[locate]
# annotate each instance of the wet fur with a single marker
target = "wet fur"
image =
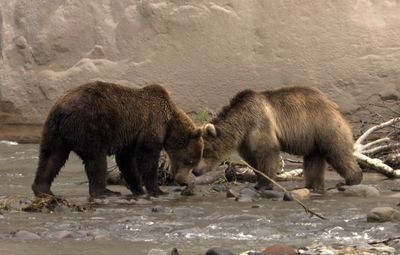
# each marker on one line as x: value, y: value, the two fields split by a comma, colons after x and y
x: 99, y: 119
x: 296, y: 120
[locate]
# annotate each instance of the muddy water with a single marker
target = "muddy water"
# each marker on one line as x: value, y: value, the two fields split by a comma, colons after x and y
x: 192, y: 224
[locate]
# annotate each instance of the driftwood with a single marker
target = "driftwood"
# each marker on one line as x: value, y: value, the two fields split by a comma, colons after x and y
x: 364, y: 152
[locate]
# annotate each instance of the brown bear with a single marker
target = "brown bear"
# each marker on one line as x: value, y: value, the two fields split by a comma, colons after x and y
x: 99, y: 119
x: 297, y: 120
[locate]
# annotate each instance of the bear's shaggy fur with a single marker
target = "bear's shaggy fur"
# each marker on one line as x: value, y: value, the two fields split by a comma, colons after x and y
x: 99, y: 119
x: 297, y: 120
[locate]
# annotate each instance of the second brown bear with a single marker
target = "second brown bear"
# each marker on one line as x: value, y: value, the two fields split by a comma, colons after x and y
x: 297, y: 120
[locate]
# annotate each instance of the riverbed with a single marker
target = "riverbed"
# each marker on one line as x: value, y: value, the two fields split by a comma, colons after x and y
x: 191, y: 224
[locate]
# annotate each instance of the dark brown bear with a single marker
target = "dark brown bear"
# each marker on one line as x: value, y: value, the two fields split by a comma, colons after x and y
x: 100, y: 119
x: 297, y: 120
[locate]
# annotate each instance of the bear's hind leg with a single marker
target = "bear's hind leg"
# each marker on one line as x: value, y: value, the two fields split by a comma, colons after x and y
x: 48, y: 168
x: 127, y: 165
x: 96, y: 172
x: 147, y: 162
x: 314, y: 172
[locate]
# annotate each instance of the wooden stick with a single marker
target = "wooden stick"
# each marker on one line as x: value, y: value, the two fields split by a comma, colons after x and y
x: 308, y: 210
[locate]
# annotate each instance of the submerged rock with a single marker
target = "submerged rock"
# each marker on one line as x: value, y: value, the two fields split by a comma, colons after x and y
x: 26, y: 235
x: 279, y: 249
x: 360, y: 190
x: 218, y: 251
x: 382, y: 214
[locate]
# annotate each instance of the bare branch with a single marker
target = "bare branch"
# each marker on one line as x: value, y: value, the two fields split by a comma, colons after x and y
x: 381, y: 148
x: 358, y: 144
x: 381, y: 140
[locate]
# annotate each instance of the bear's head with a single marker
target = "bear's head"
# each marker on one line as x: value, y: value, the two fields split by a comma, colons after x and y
x: 185, y: 151
x: 211, y: 153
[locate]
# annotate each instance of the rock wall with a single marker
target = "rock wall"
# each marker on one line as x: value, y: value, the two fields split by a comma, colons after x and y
x: 203, y: 51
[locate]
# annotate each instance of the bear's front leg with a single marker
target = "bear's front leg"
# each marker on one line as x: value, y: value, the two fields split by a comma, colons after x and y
x: 96, y: 172
x: 147, y: 162
x: 127, y: 165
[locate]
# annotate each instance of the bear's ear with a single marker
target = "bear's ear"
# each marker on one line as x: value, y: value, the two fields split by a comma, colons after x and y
x: 209, y: 129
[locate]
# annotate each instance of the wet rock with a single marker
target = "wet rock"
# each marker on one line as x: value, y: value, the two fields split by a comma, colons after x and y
x: 382, y: 214
x: 247, y: 194
x: 218, y: 251
x: 62, y: 234
x: 279, y: 249
x: 271, y: 194
x: 231, y: 193
x: 360, y: 190
x: 300, y: 194
x: 159, y: 209
x: 156, y: 252
x: 25, y: 235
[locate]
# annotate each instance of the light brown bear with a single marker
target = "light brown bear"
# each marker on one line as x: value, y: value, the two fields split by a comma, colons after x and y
x: 296, y: 120
x: 99, y: 119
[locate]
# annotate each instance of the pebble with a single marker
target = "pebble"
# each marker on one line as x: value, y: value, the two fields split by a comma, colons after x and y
x: 279, y: 249
x: 156, y: 252
x: 26, y: 235
x: 300, y: 194
x: 218, y: 251
x: 360, y: 190
x: 382, y: 214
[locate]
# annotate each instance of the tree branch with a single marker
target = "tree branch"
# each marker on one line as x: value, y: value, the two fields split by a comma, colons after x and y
x: 308, y: 210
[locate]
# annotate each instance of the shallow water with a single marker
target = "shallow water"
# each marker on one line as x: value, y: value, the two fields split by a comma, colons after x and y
x: 192, y: 224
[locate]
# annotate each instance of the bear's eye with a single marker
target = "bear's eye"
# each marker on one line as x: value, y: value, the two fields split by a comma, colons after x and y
x: 189, y: 162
